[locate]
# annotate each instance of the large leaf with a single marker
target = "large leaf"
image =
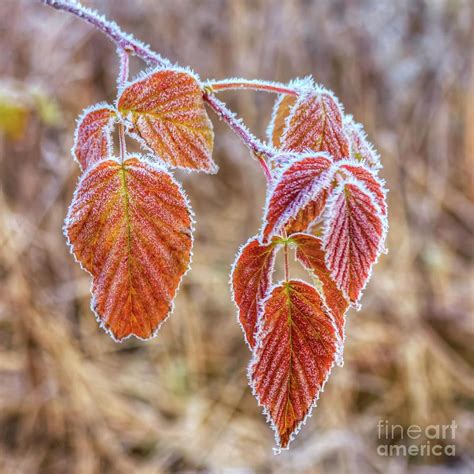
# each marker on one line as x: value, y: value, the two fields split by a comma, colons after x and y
x: 316, y: 123
x: 93, y: 136
x: 130, y: 227
x: 297, y: 345
x: 251, y: 278
x: 361, y: 149
x: 166, y: 112
x: 354, y: 237
x: 310, y: 253
x: 304, y: 180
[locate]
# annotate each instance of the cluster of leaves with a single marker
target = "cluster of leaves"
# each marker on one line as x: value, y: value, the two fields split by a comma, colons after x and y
x: 130, y: 223
x: 327, y: 203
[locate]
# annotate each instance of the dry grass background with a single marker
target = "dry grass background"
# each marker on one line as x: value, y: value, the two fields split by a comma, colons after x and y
x: 73, y: 401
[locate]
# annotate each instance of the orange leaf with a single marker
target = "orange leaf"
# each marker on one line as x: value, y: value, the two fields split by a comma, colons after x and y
x: 307, y: 216
x: 296, y: 349
x: 251, y: 278
x: 315, y: 124
x: 281, y: 110
x: 303, y: 181
x: 93, y: 136
x: 166, y: 112
x: 311, y: 255
x: 130, y: 227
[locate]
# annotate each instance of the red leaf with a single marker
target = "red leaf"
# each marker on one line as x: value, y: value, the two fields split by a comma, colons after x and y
x: 167, y: 113
x: 129, y: 226
x: 353, y: 238
x: 315, y: 123
x: 371, y: 182
x: 361, y: 149
x: 302, y: 181
x: 93, y: 136
x: 251, y: 278
x: 311, y: 255
x: 281, y: 110
x: 297, y: 345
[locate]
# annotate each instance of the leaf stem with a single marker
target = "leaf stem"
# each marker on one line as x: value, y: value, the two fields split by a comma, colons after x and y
x: 128, y: 43
x: 122, y: 142
x: 287, y: 266
x: 122, y: 77
x: 247, y: 84
x: 121, y: 80
x: 265, y: 168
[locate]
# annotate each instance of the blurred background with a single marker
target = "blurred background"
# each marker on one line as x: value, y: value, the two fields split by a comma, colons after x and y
x: 73, y: 401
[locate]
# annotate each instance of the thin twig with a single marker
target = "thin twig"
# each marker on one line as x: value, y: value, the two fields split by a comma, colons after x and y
x: 128, y: 43
x: 112, y: 30
x: 257, y: 85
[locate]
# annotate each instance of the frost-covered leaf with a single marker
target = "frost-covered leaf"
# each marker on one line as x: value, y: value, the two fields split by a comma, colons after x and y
x: 167, y: 115
x: 311, y: 255
x: 361, y: 149
x: 354, y: 236
x: 307, y: 216
x: 296, y: 348
x: 250, y: 279
x: 130, y: 227
x: 304, y: 180
x: 370, y: 181
x: 315, y: 123
x: 281, y: 110
x: 93, y: 136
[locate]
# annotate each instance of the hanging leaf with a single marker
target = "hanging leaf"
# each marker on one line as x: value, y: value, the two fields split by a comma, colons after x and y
x: 361, y: 149
x: 354, y: 237
x: 297, y: 345
x: 93, y: 136
x: 370, y: 181
x: 167, y: 115
x: 130, y: 227
x: 281, y: 110
x: 302, y: 181
x: 251, y: 278
x: 315, y: 123
x: 311, y: 255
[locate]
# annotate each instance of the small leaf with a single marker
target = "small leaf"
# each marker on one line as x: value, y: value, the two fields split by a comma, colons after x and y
x: 370, y: 181
x: 311, y: 255
x: 281, y: 110
x: 307, y: 216
x: 354, y: 237
x: 296, y: 349
x: 167, y: 114
x: 251, y: 278
x: 129, y: 226
x: 93, y: 136
x: 315, y: 123
x: 302, y: 181
x: 361, y: 149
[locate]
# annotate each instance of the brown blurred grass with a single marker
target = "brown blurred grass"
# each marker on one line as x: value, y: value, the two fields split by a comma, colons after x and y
x: 73, y: 401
